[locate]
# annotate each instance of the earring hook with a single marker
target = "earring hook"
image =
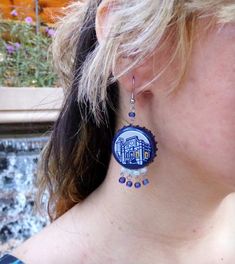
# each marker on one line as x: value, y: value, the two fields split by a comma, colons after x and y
x: 132, y: 102
x: 133, y: 89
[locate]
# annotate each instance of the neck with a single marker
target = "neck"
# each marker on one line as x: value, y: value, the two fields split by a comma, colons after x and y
x: 177, y: 208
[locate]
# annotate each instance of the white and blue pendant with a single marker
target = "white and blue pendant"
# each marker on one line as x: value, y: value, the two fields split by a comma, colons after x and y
x: 134, y: 148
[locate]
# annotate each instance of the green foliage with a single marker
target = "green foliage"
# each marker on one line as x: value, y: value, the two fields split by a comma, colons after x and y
x: 25, y: 59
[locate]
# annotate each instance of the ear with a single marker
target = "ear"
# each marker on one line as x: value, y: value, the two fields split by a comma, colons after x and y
x: 103, y: 21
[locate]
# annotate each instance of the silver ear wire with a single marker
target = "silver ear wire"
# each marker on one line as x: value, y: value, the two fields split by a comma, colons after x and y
x: 132, y: 102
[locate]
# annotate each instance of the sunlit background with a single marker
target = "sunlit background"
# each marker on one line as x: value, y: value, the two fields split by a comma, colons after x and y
x: 30, y: 99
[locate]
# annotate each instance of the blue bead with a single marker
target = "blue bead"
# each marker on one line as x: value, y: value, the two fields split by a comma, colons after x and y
x: 122, y: 179
x: 129, y: 183
x: 131, y: 114
x: 137, y: 185
x: 145, y: 181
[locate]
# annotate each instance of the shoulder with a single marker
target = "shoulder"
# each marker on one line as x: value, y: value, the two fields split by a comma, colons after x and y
x: 54, y: 244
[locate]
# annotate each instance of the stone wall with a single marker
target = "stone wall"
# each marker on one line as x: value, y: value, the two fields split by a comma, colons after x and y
x: 18, y: 169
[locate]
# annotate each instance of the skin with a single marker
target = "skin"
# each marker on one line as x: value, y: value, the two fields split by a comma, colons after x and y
x: 186, y: 214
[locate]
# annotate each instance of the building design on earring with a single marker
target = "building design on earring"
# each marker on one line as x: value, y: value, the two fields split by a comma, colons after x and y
x: 134, y: 148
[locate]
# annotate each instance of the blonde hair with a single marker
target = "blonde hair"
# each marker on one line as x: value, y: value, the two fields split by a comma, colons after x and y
x: 76, y: 159
x: 138, y: 27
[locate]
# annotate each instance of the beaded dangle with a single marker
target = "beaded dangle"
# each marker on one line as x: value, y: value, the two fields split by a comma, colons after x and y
x: 134, y: 148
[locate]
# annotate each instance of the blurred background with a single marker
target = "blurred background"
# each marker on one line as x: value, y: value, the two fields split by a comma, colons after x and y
x: 30, y: 99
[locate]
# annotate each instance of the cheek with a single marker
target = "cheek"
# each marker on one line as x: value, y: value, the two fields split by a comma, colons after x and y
x: 198, y: 124
x: 203, y: 127
x: 206, y: 107
x: 213, y: 135
x: 214, y: 99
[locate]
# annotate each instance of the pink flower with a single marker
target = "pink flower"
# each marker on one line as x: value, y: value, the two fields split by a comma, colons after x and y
x: 14, y: 13
x: 51, y: 32
x: 17, y: 45
x: 10, y: 48
x: 28, y: 20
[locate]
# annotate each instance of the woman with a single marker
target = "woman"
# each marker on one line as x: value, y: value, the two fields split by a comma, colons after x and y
x: 172, y: 63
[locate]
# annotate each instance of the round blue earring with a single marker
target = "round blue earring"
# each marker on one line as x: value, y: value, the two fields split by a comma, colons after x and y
x: 134, y: 148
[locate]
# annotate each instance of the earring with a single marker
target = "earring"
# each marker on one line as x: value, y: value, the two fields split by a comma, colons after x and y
x: 134, y: 148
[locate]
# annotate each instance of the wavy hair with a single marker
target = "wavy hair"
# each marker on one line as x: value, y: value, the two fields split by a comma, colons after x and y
x: 75, y: 160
